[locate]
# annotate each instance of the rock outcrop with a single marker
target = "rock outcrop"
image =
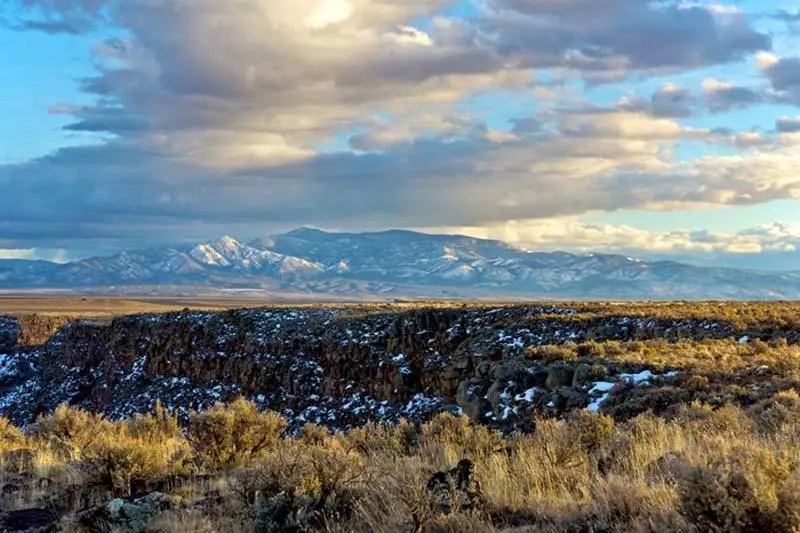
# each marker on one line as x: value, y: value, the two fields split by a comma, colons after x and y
x: 337, y: 367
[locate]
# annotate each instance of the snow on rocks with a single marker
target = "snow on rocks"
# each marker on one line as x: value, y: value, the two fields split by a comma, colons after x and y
x: 601, y: 390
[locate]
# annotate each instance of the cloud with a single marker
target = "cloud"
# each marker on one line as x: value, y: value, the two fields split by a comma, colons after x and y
x: 788, y: 125
x: 571, y: 234
x: 784, y: 76
x: 792, y: 19
x: 604, y: 38
x: 751, y: 139
x: 668, y: 101
x: 721, y: 96
x: 51, y: 26
x: 33, y: 254
x: 221, y: 115
x: 209, y: 72
x: 584, y: 162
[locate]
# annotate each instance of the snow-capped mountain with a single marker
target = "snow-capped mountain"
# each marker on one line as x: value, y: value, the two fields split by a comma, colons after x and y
x: 227, y: 252
x: 395, y: 264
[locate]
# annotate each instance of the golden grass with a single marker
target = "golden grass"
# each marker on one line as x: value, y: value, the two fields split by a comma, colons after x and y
x: 726, y: 469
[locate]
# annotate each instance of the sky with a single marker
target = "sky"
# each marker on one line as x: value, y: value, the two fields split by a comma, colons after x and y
x: 661, y: 129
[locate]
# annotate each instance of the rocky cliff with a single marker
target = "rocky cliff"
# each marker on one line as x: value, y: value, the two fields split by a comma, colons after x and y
x: 344, y: 367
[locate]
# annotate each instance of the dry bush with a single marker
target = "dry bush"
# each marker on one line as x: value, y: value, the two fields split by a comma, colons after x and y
x: 396, y: 499
x: 751, y: 490
x: 138, y: 454
x: 773, y: 414
x: 227, y: 436
x: 129, y: 464
x: 10, y: 436
x: 69, y: 431
x: 448, y: 439
x: 374, y: 438
x: 591, y: 431
x: 621, y: 504
x: 312, y: 434
x: 706, y: 419
x: 158, y: 426
x: 703, y: 355
x: 570, y: 444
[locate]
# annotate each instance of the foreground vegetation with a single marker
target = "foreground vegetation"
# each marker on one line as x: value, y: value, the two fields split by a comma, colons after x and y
x: 234, y: 469
x: 709, y: 442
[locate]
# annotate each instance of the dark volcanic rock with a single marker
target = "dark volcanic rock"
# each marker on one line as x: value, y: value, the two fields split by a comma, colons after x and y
x: 27, y: 520
x: 9, y: 332
x: 337, y: 367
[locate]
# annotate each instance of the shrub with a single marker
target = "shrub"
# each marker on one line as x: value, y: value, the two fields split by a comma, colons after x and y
x: 706, y: 419
x: 373, y: 438
x: 10, y: 436
x: 313, y: 435
x: 772, y: 414
x: 70, y: 430
x: 750, y: 490
x: 158, y: 426
x: 230, y: 435
x: 456, y: 437
x: 559, y: 445
x: 590, y: 430
x: 127, y: 464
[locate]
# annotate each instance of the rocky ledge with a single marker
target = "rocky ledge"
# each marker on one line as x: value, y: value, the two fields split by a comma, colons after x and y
x: 344, y: 367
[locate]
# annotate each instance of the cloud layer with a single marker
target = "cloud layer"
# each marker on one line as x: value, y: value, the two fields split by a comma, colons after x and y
x: 216, y: 116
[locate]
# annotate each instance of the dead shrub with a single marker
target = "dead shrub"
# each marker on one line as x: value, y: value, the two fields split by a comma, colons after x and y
x: 10, y: 436
x: 705, y: 418
x: 590, y: 430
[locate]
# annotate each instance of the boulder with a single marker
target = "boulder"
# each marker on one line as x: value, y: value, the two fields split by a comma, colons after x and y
x: 28, y: 520
x: 569, y: 398
x: 559, y: 375
x: 125, y: 515
x: 9, y: 331
x: 456, y: 488
x: 585, y: 375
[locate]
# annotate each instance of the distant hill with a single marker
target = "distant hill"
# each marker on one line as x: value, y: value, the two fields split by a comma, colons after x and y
x: 397, y: 264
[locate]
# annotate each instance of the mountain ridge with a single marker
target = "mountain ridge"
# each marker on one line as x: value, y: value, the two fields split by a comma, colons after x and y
x: 395, y: 263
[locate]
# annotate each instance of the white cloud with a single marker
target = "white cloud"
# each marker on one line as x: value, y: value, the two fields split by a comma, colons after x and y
x: 57, y: 256
x: 329, y: 12
x: 571, y: 234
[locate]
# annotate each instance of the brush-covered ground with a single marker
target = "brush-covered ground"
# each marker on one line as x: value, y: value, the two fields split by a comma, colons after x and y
x: 575, y: 418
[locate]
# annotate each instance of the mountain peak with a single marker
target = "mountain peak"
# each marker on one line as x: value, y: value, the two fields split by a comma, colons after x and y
x: 226, y: 241
x: 305, y: 232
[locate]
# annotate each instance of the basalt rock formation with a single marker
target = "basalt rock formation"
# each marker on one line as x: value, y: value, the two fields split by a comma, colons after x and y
x: 341, y: 367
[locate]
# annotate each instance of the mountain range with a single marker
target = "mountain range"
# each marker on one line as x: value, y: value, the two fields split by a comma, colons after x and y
x: 393, y: 264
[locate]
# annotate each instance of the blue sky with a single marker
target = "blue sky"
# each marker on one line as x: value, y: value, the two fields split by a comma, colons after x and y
x: 664, y: 129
